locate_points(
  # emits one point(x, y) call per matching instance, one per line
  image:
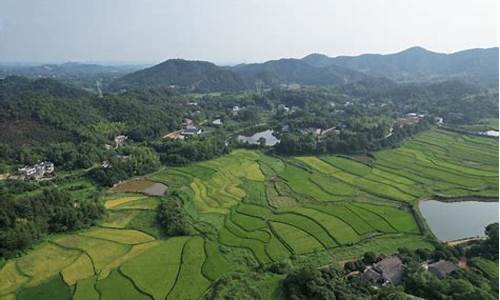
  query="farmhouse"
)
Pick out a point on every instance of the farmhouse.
point(36, 171)
point(439, 121)
point(284, 108)
point(442, 268)
point(120, 140)
point(388, 270)
point(191, 131)
point(217, 122)
point(409, 119)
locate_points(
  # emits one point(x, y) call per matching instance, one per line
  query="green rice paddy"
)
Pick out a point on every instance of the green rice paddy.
point(250, 209)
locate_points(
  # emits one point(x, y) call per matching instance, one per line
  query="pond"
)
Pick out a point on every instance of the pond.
point(489, 133)
point(457, 220)
point(271, 140)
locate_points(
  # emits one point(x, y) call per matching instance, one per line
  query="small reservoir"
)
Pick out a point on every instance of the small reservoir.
point(457, 220)
point(271, 140)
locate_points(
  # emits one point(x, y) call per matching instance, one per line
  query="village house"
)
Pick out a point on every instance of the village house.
point(120, 140)
point(442, 268)
point(191, 131)
point(311, 130)
point(284, 108)
point(217, 122)
point(36, 171)
point(409, 119)
point(439, 121)
point(388, 270)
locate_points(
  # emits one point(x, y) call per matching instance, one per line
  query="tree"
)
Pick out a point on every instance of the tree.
point(171, 217)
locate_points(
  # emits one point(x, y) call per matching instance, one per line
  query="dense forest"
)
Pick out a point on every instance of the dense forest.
point(25, 220)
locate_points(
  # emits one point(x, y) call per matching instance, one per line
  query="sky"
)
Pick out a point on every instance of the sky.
point(233, 31)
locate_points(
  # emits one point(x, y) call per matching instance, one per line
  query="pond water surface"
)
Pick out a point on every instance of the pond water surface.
point(457, 220)
point(489, 133)
point(271, 140)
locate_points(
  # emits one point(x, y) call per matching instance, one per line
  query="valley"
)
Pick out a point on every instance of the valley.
point(249, 210)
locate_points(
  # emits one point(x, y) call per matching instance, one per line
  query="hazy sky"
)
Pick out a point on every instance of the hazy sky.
point(228, 31)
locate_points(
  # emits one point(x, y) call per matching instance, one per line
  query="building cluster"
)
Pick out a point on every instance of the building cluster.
point(321, 133)
point(410, 119)
point(36, 172)
point(188, 129)
point(390, 270)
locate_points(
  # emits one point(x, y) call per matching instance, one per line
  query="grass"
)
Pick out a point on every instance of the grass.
point(488, 267)
point(215, 265)
point(142, 203)
point(85, 290)
point(35, 263)
point(341, 212)
point(112, 203)
point(298, 180)
point(54, 288)
point(400, 219)
point(191, 283)
point(81, 268)
point(154, 271)
point(102, 252)
point(384, 244)
point(133, 186)
point(255, 192)
point(122, 236)
point(376, 222)
point(305, 224)
point(300, 242)
point(133, 252)
point(145, 221)
point(342, 232)
point(257, 247)
point(117, 286)
point(11, 278)
point(120, 219)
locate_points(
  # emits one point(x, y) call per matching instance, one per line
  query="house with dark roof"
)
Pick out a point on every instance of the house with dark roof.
point(191, 130)
point(388, 270)
point(442, 268)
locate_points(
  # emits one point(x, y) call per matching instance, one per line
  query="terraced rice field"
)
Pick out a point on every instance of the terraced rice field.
point(247, 209)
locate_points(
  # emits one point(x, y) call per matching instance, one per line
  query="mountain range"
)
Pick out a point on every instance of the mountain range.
point(418, 64)
point(478, 66)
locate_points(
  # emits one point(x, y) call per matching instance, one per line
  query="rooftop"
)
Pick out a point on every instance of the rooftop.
point(442, 268)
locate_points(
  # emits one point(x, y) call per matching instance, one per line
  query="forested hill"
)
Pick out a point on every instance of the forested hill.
point(198, 76)
point(477, 66)
point(296, 71)
point(45, 111)
point(201, 76)
point(418, 64)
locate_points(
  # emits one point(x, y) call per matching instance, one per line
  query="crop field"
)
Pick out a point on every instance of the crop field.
point(248, 210)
